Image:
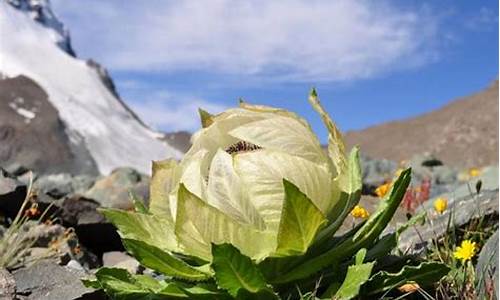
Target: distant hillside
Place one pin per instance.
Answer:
(463, 133)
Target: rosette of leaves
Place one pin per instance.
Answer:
(251, 212)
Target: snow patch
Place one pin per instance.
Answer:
(23, 112)
(112, 135)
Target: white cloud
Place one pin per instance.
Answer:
(294, 40)
(165, 110)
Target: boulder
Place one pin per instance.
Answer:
(487, 269)
(48, 281)
(376, 172)
(415, 239)
(63, 184)
(7, 285)
(12, 194)
(118, 259)
(113, 191)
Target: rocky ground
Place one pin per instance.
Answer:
(74, 239)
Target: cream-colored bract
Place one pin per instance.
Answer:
(219, 196)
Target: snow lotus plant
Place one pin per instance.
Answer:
(251, 212)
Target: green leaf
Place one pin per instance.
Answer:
(424, 274)
(382, 247)
(350, 194)
(164, 177)
(235, 272)
(206, 291)
(360, 256)
(387, 207)
(370, 232)
(356, 276)
(300, 221)
(205, 117)
(163, 262)
(92, 283)
(138, 203)
(198, 225)
(336, 147)
(121, 285)
(147, 228)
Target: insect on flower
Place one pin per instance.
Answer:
(465, 251)
(440, 205)
(360, 212)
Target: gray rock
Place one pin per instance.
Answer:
(77, 210)
(121, 260)
(113, 191)
(7, 285)
(426, 159)
(443, 175)
(82, 183)
(376, 172)
(12, 194)
(55, 185)
(489, 181)
(416, 239)
(74, 264)
(48, 281)
(487, 269)
(60, 185)
(42, 234)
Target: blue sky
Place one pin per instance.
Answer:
(371, 61)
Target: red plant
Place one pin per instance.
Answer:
(416, 196)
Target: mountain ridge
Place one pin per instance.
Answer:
(463, 133)
(37, 46)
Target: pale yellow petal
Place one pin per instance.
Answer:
(226, 193)
(263, 171)
(283, 134)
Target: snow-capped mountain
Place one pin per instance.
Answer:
(34, 44)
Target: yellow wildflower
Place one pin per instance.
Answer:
(359, 212)
(465, 251)
(383, 189)
(440, 205)
(398, 172)
(474, 172)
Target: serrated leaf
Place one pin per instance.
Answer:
(143, 227)
(196, 218)
(424, 274)
(163, 262)
(121, 285)
(369, 233)
(356, 276)
(300, 221)
(206, 291)
(235, 272)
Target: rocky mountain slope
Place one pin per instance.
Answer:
(87, 128)
(464, 133)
